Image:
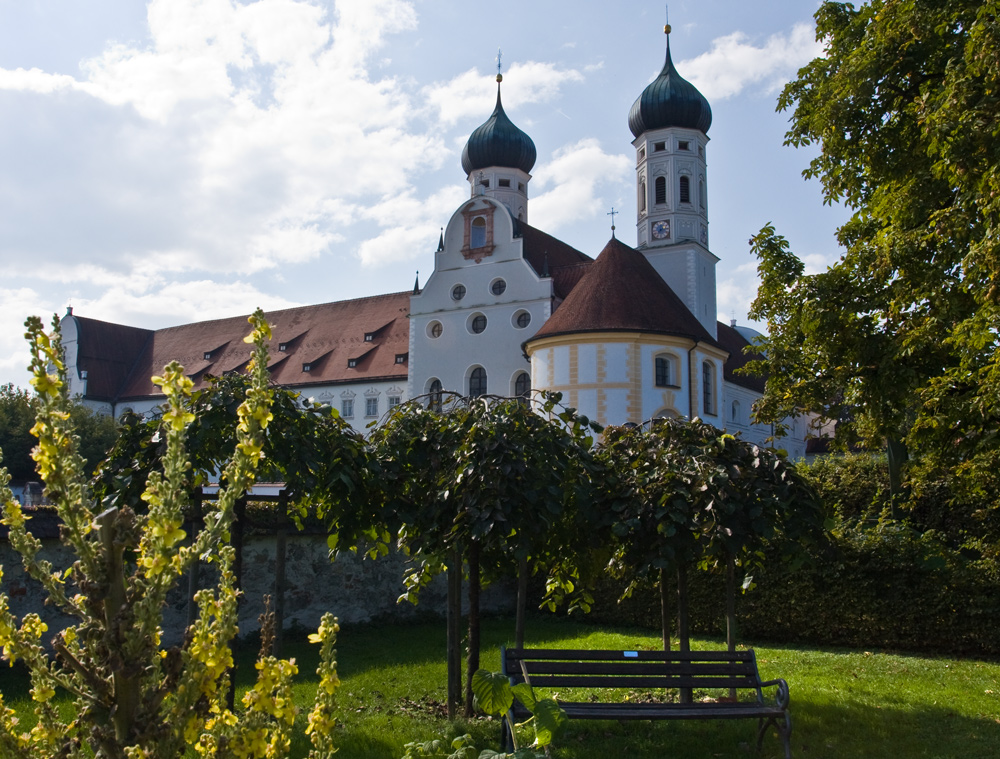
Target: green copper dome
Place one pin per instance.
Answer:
(498, 143)
(670, 100)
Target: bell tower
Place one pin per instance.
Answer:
(670, 122)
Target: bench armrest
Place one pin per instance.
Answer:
(781, 697)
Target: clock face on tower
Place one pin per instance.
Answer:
(661, 230)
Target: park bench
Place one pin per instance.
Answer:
(559, 669)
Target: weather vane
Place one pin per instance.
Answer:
(612, 214)
(499, 65)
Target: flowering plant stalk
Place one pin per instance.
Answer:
(132, 696)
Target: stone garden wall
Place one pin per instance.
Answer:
(353, 588)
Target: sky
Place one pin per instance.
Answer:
(182, 160)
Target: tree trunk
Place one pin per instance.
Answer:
(472, 664)
(193, 571)
(522, 602)
(454, 622)
(684, 638)
(730, 603)
(731, 609)
(236, 537)
(664, 610)
(897, 456)
(280, 550)
(126, 686)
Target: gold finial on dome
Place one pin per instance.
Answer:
(499, 65)
(666, 26)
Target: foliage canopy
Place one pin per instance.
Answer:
(899, 339)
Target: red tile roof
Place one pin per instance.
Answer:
(621, 291)
(734, 342)
(550, 256)
(107, 352)
(324, 336)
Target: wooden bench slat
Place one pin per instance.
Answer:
(641, 681)
(672, 711)
(568, 654)
(556, 669)
(651, 668)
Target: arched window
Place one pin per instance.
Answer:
(642, 196)
(665, 371)
(685, 193)
(434, 390)
(477, 233)
(477, 382)
(522, 386)
(702, 195)
(735, 413)
(708, 388)
(661, 190)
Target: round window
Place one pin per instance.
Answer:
(478, 323)
(498, 287)
(523, 319)
(458, 292)
(434, 329)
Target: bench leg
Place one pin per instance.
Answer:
(785, 732)
(506, 740)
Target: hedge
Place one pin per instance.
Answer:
(887, 587)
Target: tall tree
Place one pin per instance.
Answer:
(96, 432)
(898, 340)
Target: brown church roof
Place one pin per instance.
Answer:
(734, 342)
(107, 352)
(550, 256)
(330, 338)
(621, 291)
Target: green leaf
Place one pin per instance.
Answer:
(524, 694)
(550, 719)
(492, 691)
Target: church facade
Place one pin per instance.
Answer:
(626, 336)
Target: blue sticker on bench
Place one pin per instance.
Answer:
(631, 654)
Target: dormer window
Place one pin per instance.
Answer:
(504, 183)
(306, 367)
(659, 147)
(351, 363)
(282, 347)
(208, 355)
(401, 358)
(683, 145)
(369, 336)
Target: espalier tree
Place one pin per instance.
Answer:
(498, 482)
(685, 494)
(132, 695)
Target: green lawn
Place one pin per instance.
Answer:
(843, 703)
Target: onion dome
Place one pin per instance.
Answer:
(670, 100)
(498, 143)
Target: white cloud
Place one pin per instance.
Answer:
(18, 304)
(575, 175)
(35, 80)
(734, 62)
(410, 226)
(229, 139)
(472, 94)
(735, 292)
